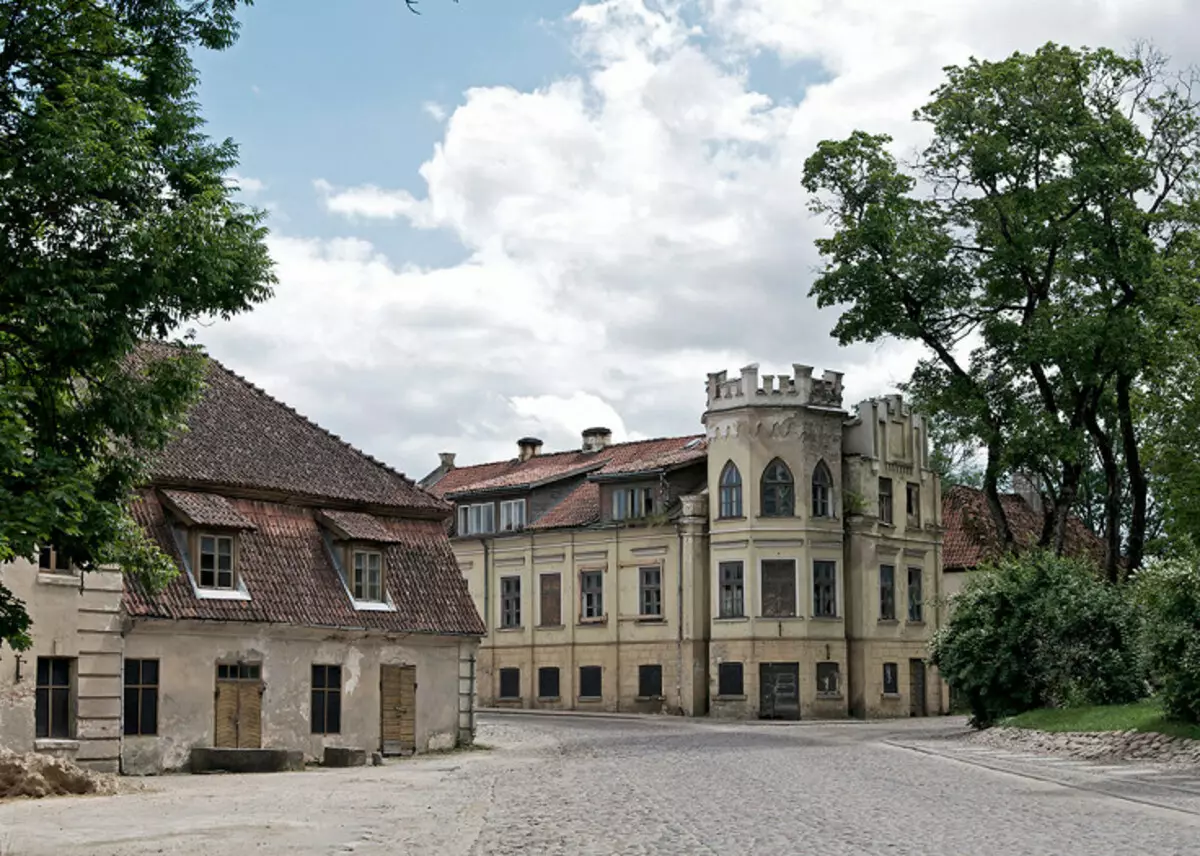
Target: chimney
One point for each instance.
(595, 439)
(1029, 488)
(528, 447)
(447, 460)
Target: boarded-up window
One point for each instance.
(779, 588)
(649, 681)
(825, 589)
(510, 683)
(829, 679)
(551, 615)
(326, 699)
(548, 682)
(141, 697)
(591, 684)
(729, 679)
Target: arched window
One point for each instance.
(822, 491)
(778, 493)
(731, 491)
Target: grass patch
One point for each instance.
(1142, 716)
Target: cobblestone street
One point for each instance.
(573, 785)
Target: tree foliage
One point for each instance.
(1050, 227)
(1039, 630)
(1169, 599)
(118, 227)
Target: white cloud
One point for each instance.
(246, 184)
(437, 111)
(628, 229)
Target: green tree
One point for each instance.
(119, 227)
(1039, 630)
(1049, 226)
(1169, 599)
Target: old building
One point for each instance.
(783, 564)
(318, 603)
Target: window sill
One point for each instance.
(549, 698)
(826, 618)
(58, 578)
(892, 622)
(776, 517)
(508, 700)
(370, 606)
(781, 618)
(919, 622)
(887, 525)
(658, 697)
(734, 517)
(893, 696)
(730, 697)
(830, 696)
(651, 619)
(730, 619)
(551, 627)
(592, 622)
(50, 744)
(590, 698)
(518, 629)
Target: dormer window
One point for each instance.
(512, 515)
(631, 503)
(477, 519)
(216, 563)
(367, 580)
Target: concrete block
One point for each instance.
(207, 759)
(343, 756)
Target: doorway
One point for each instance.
(239, 706)
(778, 690)
(398, 716)
(916, 688)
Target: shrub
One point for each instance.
(1039, 630)
(1168, 593)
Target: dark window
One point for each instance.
(731, 491)
(915, 595)
(887, 593)
(649, 681)
(326, 699)
(729, 679)
(778, 490)
(885, 501)
(913, 502)
(551, 600)
(591, 594)
(651, 591)
(216, 561)
(52, 561)
(633, 502)
(141, 697)
(822, 491)
(510, 683)
(548, 682)
(733, 591)
(778, 588)
(510, 601)
(238, 671)
(53, 716)
(825, 589)
(591, 682)
(829, 679)
(891, 678)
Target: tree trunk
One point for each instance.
(1138, 487)
(1072, 472)
(991, 477)
(1112, 497)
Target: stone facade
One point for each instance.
(799, 552)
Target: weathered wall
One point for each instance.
(188, 654)
(76, 618)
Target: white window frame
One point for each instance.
(632, 503)
(596, 604)
(364, 569)
(512, 515)
(217, 540)
(471, 519)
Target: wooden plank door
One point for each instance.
(226, 733)
(238, 708)
(916, 687)
(250, 715)
(398, 716)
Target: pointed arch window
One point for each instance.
(822, 491)
(778, 490)
(731, 491)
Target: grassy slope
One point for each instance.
(1143, 716)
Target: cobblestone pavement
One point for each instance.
(580, 786)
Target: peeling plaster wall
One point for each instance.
(189, 651)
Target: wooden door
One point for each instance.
(250, 715)
(398, 717)
(238, 707)
(916, 687)
(227, 715)
(779, 691)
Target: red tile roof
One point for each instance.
(355, 525)
(581, 506)
(238, 436)
(291, 578)
(205, 509)
(970, 533)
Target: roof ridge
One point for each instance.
(308, 421)
(600, 451)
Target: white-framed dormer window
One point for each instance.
(477, 519)
(367, 576)
(512, 515)
(216, 563)
(632, 503)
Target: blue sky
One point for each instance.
(611, 204)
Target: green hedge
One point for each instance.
(1168, 594)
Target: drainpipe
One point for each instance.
(533, 593)
(679, 631)
(487, 606)
(617, 604)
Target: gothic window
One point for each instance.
(731, 491)
(822, 491)
(778, 494)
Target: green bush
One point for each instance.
(1168, 593)
(1039, 630)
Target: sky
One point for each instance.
(496, 220)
